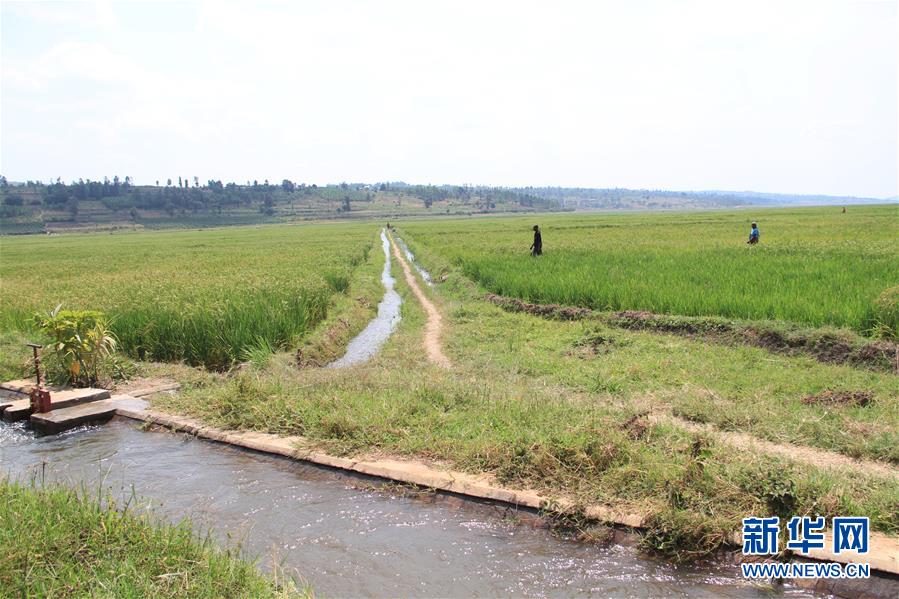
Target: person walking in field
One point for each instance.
(537, 246)
(753, 234)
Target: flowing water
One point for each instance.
(425, 275)
(346, 536)
(367, 343)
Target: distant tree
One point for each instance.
(196, 181)
(346, 203)
(13, 199)
(287, 185)
(134, 214)
(169, 183)
(428, 202)
(3, 181)
(180, 184)
(157, 182)
(72, 207)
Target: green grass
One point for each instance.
(558, 406)
(56, 542)
(207, 297)
(528, 404)
(814, 265)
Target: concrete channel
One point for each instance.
(346, 535)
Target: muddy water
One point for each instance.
(367, 343)
(347, 538)
(425, 275)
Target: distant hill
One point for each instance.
(655, 199)
(34, 207)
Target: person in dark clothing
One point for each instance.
(753, 234)
(537, 246)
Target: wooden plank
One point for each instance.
(21, 409)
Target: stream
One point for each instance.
(367, 343)
(347, 535)
(425, 275)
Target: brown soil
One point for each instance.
(636, 426)
(434, 326)
(555, 311)
(810, 455)
(142, 386)
(840, 398)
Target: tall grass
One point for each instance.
(815, 266)
(56, 542)
(202, 297)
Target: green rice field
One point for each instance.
(816, 266)
(205, 297)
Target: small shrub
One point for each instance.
(80, 345)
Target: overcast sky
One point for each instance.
(797, 97)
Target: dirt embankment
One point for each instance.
(834, 347)
(434, 326)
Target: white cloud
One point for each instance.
(770, 96)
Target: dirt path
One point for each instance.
(809, 455)
(434, 326)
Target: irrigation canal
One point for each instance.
(367, 343)
(346, 535)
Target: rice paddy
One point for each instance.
(207, 297)
(815, 266)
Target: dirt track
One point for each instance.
(820, 458)
(434, 326)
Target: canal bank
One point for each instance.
(345, 537)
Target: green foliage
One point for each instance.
(201, 297)
(80, 341)
(886, 313)
(814, 265)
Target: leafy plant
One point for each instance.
(80, 342)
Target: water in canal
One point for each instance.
(367, 343)
(346, 537)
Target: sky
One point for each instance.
(791, 96)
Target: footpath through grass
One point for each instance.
(56, 542)
(208, 298)
(536, 404)
(815, 266)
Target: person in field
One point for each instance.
(753, 234)
(537, 246)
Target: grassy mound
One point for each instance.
(55, 542)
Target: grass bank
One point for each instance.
(531, 402)
(56, 542)
(826, 344)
